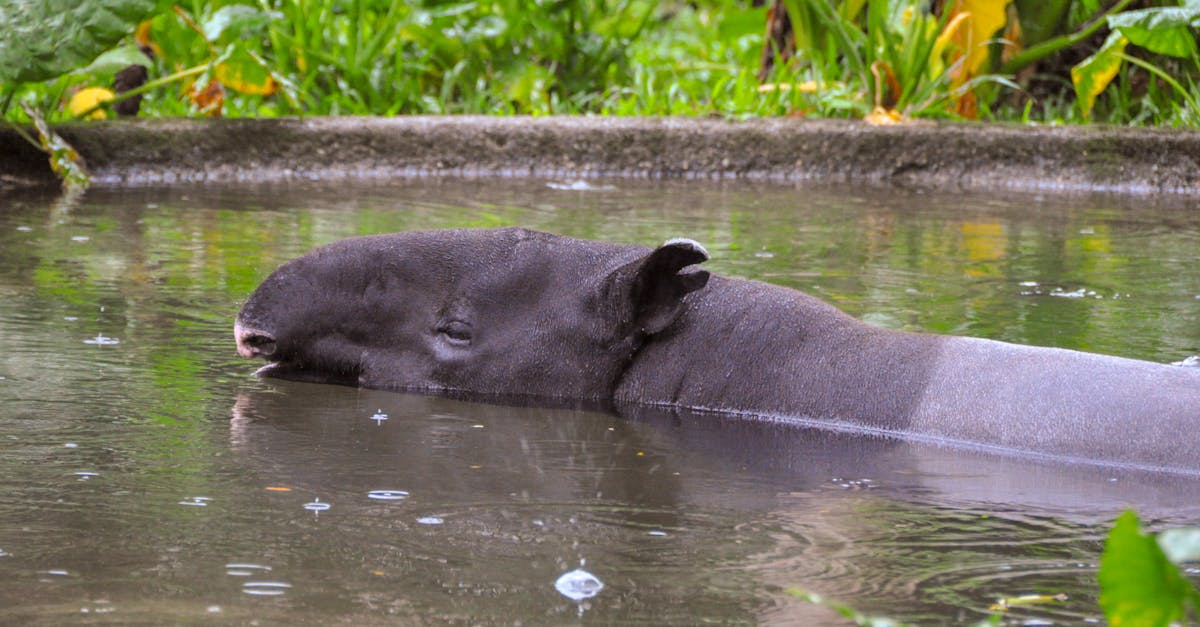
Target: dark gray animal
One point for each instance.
(496, 314)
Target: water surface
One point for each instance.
(146, 476)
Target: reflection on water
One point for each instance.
(146, 476)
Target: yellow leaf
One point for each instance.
(884, 117)
(1092, 75)
(87, 98)
(245, 73)
(987, 17)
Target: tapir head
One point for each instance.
(487, 312)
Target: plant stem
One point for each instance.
(158, 82)
(1157, 71)
(1032, 55)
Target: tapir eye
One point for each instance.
(456, 332)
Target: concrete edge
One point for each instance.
(949, 156)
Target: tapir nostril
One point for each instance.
(251, 343)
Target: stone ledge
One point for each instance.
(947, 156)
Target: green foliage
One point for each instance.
(43, 39)
(1139, 584)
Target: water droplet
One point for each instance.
(266, 588)
(68, 444)
(101, 340)
(387, 495)
(245, 570)
(317, 506)
(379, 416)
(80, 238)
(430, 520)
(578, 585)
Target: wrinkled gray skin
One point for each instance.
(494, 314)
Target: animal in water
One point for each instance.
(511, 313)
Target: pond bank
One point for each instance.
(946, 156)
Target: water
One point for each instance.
(146, 476)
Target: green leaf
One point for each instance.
(1181, 545)
(116, 60)
(234, 20)
(1161, 30)
(43, 39)
(1138, 585)
(1094, 73)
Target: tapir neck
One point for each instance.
(744, 346)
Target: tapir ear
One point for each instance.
(649, 291)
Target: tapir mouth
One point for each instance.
(253, 343)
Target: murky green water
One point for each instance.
(202, 472)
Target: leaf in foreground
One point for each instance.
(1138, 584)
(43, 39)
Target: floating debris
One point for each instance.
(101, 340)
(317, 506)
(387, 495)
(266, 588)
(430, 520)
(1006, 603)
(578, 585)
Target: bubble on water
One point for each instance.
(25, 228)
(430, 520)
(102, 340)
(68, 444)
(317, 506)
(266, 588)
(80, 238)
(4, 553)
(196, 501)
(379, 416)
(70, 318)
(1190, 362)
(245, 570)
(764, 255)
(578, 585)
(387, 495)
(84, 475)
(214, 609)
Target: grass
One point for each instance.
(611, 57)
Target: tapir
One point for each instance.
(504, 314)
